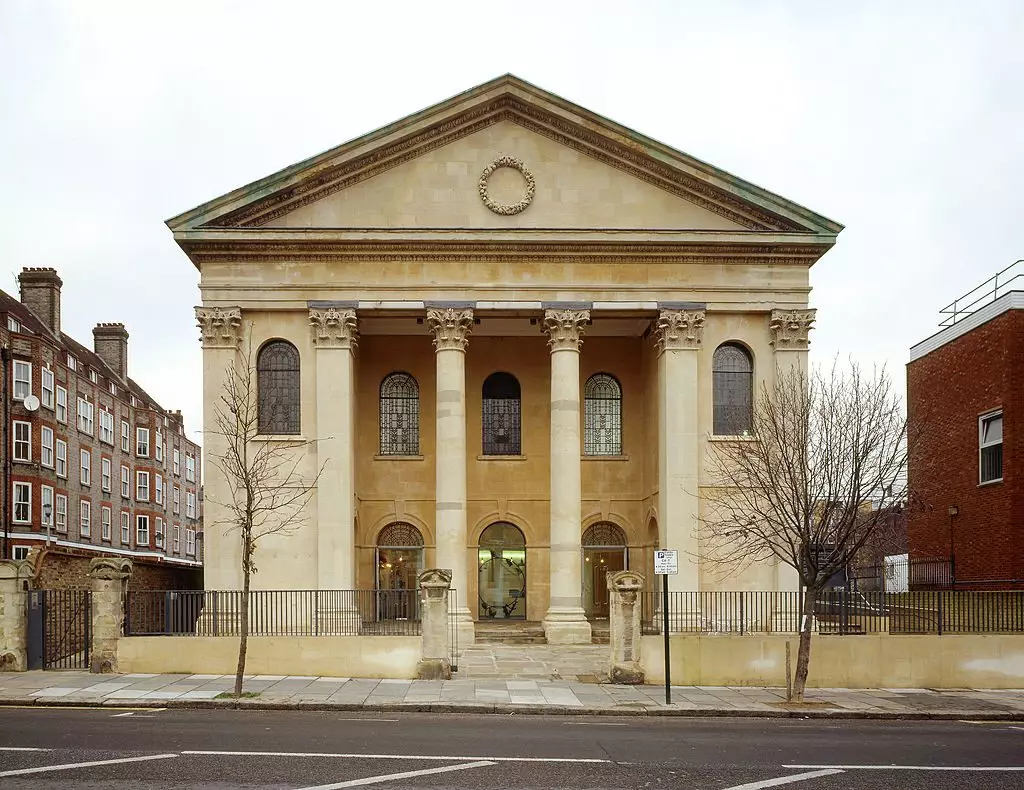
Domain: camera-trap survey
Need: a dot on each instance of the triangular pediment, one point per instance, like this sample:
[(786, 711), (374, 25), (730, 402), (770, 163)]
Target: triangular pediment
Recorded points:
[(424, 172)]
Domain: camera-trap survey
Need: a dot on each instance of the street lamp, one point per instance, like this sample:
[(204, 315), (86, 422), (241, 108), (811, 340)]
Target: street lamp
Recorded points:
[(47, 521)]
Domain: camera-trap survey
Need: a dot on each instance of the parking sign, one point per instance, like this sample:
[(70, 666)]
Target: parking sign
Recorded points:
[(666, 562)]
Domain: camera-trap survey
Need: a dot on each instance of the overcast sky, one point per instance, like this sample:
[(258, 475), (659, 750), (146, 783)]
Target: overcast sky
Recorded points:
[(902, 120)]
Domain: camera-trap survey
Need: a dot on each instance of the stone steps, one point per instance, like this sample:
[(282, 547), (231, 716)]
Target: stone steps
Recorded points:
[(512, 632)]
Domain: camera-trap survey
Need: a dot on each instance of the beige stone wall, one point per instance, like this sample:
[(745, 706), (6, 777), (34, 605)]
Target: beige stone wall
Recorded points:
[(867, 661), (331, 656)]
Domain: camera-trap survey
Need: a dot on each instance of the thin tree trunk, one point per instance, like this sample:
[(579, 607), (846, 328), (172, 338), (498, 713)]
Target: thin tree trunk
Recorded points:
[(243, 613), (803, 655)]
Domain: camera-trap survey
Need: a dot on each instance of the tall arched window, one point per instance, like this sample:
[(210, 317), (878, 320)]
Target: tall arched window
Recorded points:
[(399, 415), (733, 384), (501, 415), (277, 382), (602, 416)]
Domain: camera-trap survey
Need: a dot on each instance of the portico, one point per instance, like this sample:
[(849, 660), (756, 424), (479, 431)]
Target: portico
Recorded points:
[(509, 328)]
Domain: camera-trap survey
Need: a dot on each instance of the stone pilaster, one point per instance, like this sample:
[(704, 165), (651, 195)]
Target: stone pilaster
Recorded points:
[(221, 333), (435, 662), (624, 627), (109, 577), (678, 335), (14, 578), (565, 621), (451, 327), (790, 331)]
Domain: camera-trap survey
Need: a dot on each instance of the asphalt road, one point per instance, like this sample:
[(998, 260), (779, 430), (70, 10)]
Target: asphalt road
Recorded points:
[(293, 750)]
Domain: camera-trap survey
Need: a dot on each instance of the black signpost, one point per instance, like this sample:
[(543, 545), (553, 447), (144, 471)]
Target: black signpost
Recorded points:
[(666, 563)]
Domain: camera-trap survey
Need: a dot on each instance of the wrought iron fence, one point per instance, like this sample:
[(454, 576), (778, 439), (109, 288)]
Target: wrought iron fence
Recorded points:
[(273, 613), (837, 612), (902, 574), (59, 629)]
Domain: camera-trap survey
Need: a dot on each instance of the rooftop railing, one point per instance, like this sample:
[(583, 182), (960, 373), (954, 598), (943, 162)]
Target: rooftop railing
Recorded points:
[(1009, 279)]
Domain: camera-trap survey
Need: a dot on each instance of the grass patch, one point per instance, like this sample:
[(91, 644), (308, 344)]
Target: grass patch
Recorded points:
[(243, 695)]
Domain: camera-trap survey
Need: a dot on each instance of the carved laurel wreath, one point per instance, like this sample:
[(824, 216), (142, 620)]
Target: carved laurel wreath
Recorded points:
[(507, 209)]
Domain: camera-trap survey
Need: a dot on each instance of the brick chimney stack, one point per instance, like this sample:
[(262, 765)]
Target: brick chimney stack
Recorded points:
[(110, 341), (40, 293)]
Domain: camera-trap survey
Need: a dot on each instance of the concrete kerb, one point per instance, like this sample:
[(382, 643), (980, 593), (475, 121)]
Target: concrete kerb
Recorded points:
[(506, 709)]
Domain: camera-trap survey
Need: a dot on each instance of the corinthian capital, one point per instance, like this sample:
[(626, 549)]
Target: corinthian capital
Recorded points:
[(565, 328), (451, 327), (789, 329), (220, 327), (334, 327), (677, 329)]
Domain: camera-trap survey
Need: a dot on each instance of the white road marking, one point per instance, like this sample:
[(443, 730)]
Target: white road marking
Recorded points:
[(69, 766), (1015, 728), (370, 780), (784, 780), (22, 749), (403, 757), (915, 767), (593, 724), (122, 715), (354, 718)]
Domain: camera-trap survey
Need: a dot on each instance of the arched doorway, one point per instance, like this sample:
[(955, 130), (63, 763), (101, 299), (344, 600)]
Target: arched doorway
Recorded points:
[(502, 573), (399, 564), (604, 552)]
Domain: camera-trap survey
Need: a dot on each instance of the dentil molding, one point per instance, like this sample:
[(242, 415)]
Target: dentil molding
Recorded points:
[(451, 327), (565, 328), (790, 329), (334, 327), (676, 329)]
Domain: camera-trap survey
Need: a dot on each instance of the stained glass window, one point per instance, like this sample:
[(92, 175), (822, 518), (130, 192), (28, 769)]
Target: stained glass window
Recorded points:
[(399, 415), (501, 415), (602, 416), (277, 382), (733, 384)]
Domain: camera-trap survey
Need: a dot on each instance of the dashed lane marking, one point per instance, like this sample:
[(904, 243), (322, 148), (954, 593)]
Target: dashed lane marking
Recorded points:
[(68, 766), (971, 768), (433, 757), (785, 780), (369, 780), (22, 749)]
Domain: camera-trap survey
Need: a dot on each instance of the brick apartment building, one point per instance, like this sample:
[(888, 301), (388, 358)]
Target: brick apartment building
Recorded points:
[(965, 400), (92, 463)]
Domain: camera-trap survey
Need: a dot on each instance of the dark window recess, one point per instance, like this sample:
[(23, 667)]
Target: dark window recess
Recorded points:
[(991, 441), (502, 406), (733, 390), (602, 416), (277, 382), (399, 415)]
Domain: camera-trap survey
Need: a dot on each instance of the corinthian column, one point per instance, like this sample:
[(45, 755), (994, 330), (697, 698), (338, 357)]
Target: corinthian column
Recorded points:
[(221, 334), (789, 330), (451, 327), (678, 335), (565, 622)]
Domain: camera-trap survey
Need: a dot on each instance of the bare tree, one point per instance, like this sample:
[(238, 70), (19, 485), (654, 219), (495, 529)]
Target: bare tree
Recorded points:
[(824, 463), (267, 492)]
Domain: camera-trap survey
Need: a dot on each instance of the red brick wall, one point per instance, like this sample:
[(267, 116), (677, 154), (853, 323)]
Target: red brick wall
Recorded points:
[(947, 391), (64, 569)]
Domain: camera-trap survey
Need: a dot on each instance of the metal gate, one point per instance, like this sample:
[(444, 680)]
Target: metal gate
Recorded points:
[(453, 632), (59, 629)]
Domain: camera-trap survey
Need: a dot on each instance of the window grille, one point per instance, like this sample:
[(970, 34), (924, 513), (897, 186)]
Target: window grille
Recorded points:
[(502, 406), (399, 415), (602, 416), (277, 377), (733, 385), (604, 533), (400, 535)]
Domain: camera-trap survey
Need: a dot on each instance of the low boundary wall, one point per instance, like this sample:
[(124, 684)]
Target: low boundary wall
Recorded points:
[(869, 661), (329, 656)]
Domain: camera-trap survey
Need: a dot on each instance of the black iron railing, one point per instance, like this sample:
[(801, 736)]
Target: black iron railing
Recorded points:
[(902, 574), (838, 612), (273, 613)]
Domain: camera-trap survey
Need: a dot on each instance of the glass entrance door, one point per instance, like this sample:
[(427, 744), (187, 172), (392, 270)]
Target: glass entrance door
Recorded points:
[(598, 562), (502, 573)]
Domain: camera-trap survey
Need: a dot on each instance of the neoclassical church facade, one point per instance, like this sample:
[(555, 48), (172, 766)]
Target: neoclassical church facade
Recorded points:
[(506, 328)]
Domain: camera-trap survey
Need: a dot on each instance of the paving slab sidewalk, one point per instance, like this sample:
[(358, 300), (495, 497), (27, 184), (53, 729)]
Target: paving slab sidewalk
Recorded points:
[(494, 695)]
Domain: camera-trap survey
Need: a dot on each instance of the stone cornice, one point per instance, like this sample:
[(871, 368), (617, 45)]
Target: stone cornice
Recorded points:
[(451, 327), (220, 327), (564, 328), (790, 329), (679, 329), (334, 328)]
